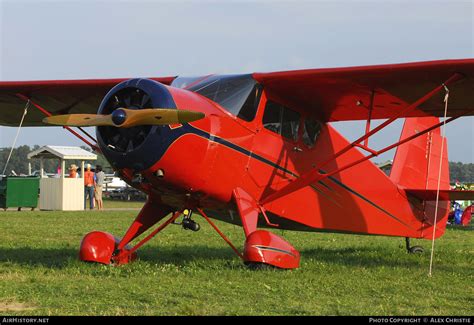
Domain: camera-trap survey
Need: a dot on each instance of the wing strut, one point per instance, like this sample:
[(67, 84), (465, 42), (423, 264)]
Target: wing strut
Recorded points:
[(45, 112), (318, 173), (369, 119)]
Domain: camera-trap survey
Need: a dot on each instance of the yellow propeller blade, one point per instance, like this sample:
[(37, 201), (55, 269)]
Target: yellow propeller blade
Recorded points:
[(126, 118), (162, 116), (79, 120)]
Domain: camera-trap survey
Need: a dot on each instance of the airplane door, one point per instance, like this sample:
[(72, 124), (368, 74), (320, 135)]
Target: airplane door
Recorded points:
[(275, 147)]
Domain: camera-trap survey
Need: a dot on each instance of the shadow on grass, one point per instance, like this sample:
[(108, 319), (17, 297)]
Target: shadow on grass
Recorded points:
[(360, 256), (60, 258), (367, 257), (461, 228), (49, 257), (181, 256), (370, 257)]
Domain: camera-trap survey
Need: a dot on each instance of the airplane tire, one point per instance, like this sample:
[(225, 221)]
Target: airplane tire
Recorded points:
[(416, 250)]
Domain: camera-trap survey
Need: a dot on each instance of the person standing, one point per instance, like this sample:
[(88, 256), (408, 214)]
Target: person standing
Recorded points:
[(89, 184), (99, 182)]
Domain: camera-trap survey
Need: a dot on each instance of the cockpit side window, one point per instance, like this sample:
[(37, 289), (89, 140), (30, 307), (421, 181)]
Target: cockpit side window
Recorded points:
[(281, 120), (311, 131), (249, 109)]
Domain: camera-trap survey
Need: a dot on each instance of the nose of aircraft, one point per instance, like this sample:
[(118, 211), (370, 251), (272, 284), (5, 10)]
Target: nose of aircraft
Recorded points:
[(137, 147), (119, 116)]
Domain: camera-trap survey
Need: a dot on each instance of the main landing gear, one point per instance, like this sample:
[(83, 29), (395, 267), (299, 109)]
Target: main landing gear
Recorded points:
[(101, 247), (262, 248), (413, 249)]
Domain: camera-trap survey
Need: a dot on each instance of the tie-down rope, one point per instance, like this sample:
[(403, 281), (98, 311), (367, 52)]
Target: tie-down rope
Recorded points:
[(443, 131), (16, 137)]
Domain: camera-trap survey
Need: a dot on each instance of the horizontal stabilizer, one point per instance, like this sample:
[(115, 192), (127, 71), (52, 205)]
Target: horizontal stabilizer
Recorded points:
[(444, 195)]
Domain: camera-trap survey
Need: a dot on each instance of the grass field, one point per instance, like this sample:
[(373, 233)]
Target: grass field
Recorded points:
[(185, 273), (118, 204)]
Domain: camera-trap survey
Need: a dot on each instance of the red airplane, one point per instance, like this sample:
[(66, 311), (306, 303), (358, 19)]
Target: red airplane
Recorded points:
[(258, 150)]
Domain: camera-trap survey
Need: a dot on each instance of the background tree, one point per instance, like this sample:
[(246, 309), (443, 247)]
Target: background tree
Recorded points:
[(19, 163), (461, 172)]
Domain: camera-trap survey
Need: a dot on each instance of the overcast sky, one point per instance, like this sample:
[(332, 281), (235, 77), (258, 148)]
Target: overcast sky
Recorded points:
[(101, 39)]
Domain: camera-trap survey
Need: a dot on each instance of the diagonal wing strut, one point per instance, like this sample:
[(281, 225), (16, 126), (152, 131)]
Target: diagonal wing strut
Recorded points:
[(318, 172)]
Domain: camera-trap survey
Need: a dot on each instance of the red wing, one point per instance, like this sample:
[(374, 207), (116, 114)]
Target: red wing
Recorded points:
[(57, 96), (342, 94)]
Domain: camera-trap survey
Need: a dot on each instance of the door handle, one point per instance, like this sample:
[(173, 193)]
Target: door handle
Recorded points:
[(297, 149)]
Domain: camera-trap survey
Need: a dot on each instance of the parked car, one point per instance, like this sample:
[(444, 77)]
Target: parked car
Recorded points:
[(126, 194), (37, 173), (112, 183)]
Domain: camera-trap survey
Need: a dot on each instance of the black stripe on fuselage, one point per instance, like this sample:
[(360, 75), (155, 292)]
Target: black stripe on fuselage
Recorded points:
[(273, 249), (366, 200), (244, 151)]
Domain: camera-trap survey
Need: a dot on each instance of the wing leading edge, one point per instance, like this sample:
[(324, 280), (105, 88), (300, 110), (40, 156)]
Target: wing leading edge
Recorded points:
[(334, 94)]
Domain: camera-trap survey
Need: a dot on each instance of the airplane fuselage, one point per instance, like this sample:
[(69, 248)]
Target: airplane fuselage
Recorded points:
[(206, 160)]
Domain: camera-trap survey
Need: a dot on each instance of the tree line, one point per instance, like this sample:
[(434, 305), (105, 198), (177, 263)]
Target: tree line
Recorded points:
[(461, 172)]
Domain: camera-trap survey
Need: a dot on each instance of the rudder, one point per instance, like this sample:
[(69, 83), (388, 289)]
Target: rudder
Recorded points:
[(416, 166)]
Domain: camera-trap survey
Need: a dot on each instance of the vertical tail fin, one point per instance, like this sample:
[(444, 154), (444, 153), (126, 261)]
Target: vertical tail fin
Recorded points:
[(416, 166)]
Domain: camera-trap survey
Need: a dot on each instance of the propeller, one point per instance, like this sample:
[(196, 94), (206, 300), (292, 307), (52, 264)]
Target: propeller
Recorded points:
[(127, 118)]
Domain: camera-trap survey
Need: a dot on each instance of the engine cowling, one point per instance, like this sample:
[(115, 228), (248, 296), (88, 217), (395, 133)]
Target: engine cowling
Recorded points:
[(137, 147)]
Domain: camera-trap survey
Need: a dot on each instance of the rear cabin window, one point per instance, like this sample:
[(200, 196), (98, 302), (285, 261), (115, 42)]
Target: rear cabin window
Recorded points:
[(312, 129), (281, 120)]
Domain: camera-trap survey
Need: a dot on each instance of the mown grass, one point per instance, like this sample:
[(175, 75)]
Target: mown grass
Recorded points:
[(185, 273), (120, 204)]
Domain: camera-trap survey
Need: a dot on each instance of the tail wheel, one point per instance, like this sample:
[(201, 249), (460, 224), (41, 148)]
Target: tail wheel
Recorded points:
[(416, 250)]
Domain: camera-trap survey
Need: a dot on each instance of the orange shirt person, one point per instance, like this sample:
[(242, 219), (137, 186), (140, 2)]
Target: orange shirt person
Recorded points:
[(89, 185)]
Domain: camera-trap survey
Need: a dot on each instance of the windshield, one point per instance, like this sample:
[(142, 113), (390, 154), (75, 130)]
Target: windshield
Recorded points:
[(185, 82), (238, 94)]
